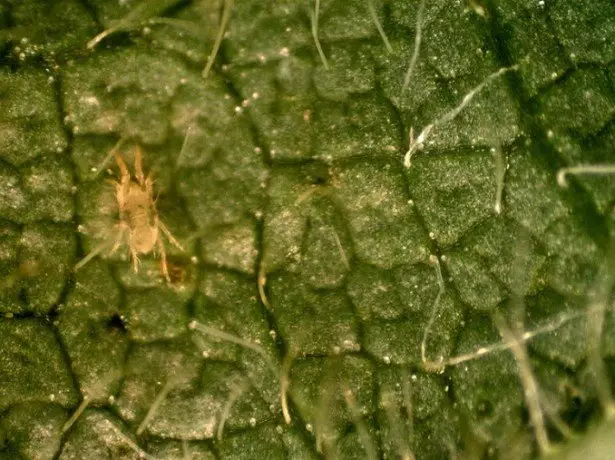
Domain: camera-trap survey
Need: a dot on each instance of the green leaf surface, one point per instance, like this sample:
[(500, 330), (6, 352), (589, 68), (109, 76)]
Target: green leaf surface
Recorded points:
[(333, 296)]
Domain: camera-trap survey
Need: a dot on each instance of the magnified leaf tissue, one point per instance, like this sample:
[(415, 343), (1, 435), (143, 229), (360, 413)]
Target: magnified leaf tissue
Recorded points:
[(303, 229)]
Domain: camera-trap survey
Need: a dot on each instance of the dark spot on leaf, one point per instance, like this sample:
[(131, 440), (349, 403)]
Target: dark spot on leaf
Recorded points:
[(116, 323), (484, 409)]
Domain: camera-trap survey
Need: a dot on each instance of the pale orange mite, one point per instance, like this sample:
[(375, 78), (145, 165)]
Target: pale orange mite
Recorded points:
[(139, 221)]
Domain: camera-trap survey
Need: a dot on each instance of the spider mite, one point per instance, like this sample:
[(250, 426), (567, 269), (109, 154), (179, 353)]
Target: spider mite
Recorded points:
[(139, 224)]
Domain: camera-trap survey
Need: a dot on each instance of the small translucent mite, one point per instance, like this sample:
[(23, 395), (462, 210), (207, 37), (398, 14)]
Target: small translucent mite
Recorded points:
[(139, 223)]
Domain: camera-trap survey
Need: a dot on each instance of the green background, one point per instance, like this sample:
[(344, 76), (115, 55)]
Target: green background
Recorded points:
[(276, 166)]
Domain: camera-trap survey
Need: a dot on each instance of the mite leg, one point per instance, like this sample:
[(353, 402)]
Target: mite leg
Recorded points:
[(97, 250), (133, 256), (112, 152), (149, 188), (122, 165), (102, 246), (135, 260), (118, 239), (123, 187), (163, 260), (168, 234), (139, 165)]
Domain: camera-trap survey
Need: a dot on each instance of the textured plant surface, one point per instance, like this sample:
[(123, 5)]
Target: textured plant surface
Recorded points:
[(328, 261)]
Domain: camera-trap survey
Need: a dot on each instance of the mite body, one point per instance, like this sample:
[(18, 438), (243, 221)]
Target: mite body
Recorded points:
[(139, 223), (138, 214)]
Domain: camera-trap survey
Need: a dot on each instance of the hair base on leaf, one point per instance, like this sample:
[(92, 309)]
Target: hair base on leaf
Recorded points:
[(600, 296), (401, 437), (73, 418), (281, 374), (226, 17), (417, 49), (160, 397), (588, 169), (208, 330), (441, 363), (528, 382), (374, 15), (434, 309), (100, 37), (261, 282), (500, 173), (284, 385), (362, 430), (314, 20), (133, 445), (416, 145), (145, 10), (236, 393)]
